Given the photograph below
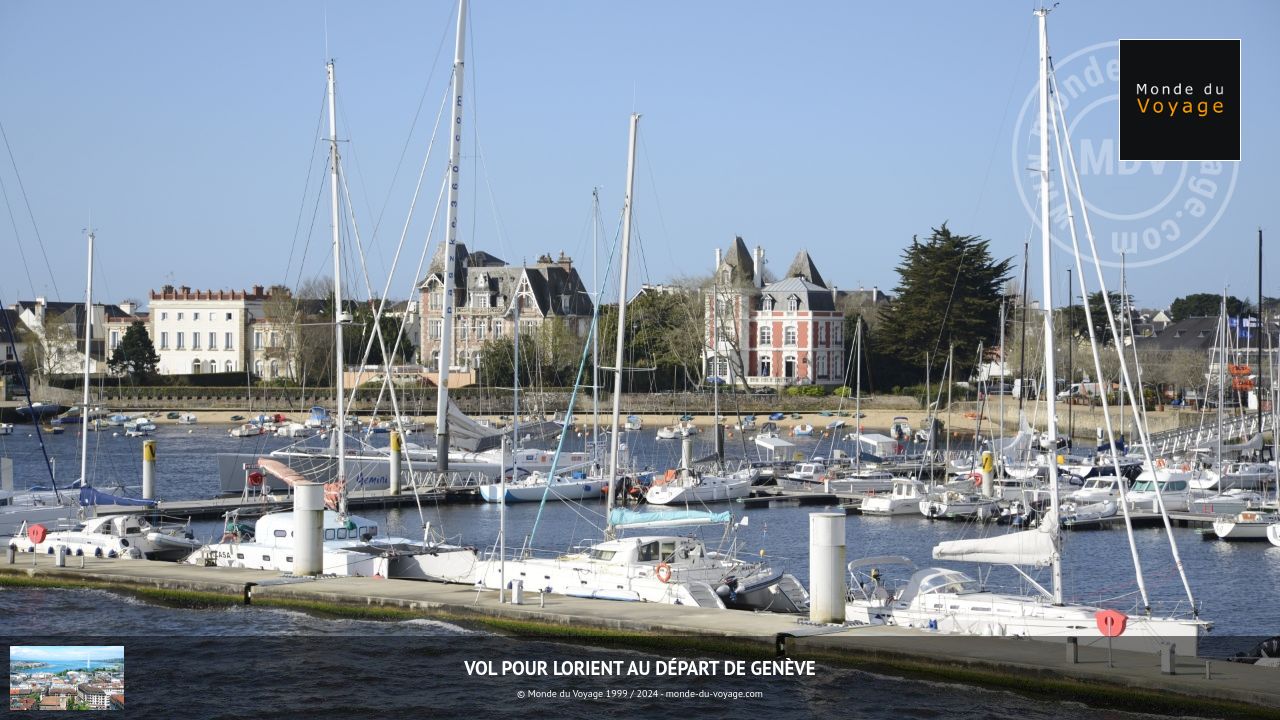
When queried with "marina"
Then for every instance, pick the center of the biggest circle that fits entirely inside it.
(652, 468)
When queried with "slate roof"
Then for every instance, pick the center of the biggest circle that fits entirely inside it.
(738, 262)
(804, 267)
(813, 297)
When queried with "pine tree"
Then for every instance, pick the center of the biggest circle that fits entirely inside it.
(949, 291)
(135, 355)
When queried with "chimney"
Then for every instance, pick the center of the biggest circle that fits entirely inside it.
(257, 290)
(875, 294)
(128, 307)
(759, 267)
(835, 295)
(718, 259)
(186, 289)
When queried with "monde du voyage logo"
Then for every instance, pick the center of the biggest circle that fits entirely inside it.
(1159, 182)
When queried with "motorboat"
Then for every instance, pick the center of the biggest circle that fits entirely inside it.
(903, 500)
(746, 424)
(124, 536)
(1246, 476)
(802, 430)
(1273, 533)
(1075, 514)
(633, 422)
(683, 429)
(351, 546)
(1231, 502)
(958, 501)
(691, 486)
(6, 428)
(246, 430)
(1099, 488)
(1173, 487)
(187, 419)
(294, 430)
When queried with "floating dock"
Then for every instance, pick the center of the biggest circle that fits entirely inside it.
(261, 504)
(1198, 686)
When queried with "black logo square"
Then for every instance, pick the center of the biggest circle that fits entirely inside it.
(1180, 100)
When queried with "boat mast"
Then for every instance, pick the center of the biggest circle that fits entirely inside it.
(451, 247)
(338, 317)
(1046, 242)
(1071, 371)
(595, 330)
(88, 339)
(857, 392)
(1257, 386)
(622, 320)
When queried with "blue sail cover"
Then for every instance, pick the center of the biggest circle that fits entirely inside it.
(92, 496)
(624, 518)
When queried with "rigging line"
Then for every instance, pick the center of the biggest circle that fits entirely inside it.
(1143, 434)
(311, 163)
(657, 205)
(417, 113)
(306, 247)
(364, 185)
(995, 141)
(17, 236)
(34, 226)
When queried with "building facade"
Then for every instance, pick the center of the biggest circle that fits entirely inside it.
(787, 332)
(486, 289)
(57, 331)
(204, 331)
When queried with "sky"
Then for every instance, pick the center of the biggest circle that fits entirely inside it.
(65, 653)
(190, 136)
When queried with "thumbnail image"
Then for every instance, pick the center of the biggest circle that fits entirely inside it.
(66, 677)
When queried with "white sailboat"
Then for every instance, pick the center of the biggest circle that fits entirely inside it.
(351, 544)
(649, 568)
(949, 601)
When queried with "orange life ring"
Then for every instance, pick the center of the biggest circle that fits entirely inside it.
(977, 479)
(255, 479)
(1160, 462)
(663, 572)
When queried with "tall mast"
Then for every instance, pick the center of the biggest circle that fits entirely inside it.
(338, 318)
(1257, 386)
(595, 330)
(627, 203)
(1046, 243)
(451, 248)
(88, 340)
(1071, 346)
(857, 392)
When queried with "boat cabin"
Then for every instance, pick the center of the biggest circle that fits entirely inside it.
(277, 529)
(649, 549)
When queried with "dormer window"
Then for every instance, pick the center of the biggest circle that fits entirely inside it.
(793, 303)
(564, 302)
(766, 304)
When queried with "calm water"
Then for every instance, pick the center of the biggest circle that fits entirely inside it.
(1234, 582)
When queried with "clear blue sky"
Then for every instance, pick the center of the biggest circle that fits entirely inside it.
(186, 131)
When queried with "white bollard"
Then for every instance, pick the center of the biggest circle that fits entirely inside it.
(149, 470)
(517, 592)
(988, 474)
(686, 453)
(308, 518)
(395, 463)
(60, 556)
(826, 567)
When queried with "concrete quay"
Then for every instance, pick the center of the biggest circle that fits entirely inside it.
(1134, 680)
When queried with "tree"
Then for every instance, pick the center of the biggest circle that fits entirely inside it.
(949, 291)
(1073, 317)
(135, 356)
(1205, 305)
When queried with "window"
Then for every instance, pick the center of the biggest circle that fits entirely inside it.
(789, 367)
(766, 367)
(195, 341)
(164, 341)
(475, 361)
(275, 340)
(766, 334)
(342, 533)
(195, 367)
(433, 329)
(822, 365)
(275, 368)
(793, 303)
(228, 316)
(179, 316)
(480, 299)
(226, 341)
(435, 300)
(497, 328)
(213, 341)
(257, 341)
(195, 316)
(280, 533)
(179, 346)
(229, 367)
(766, 303)
(789, 336)
(164, 316)
(839, 332)
(257, 368)
(115, 339)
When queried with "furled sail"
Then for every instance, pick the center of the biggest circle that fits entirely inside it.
(622, 518)
(1027, 547)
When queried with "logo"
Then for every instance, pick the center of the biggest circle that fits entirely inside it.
(1146, 211)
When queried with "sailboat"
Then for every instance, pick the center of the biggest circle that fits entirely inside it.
(679, 570)
(949, 601)
(351, 544)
